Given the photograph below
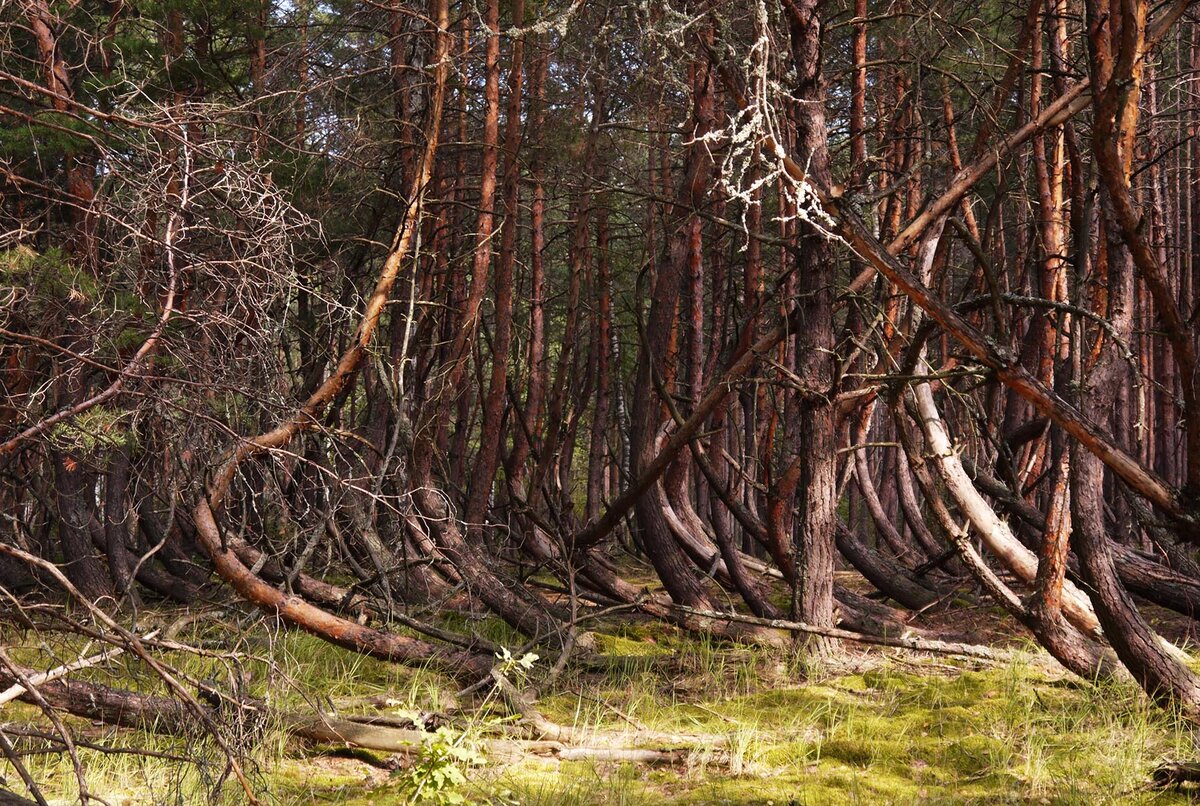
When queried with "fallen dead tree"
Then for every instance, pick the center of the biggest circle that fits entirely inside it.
(167, 716)
(900, 642)
(361, 733)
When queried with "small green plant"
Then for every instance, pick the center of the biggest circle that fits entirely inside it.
(439, 769)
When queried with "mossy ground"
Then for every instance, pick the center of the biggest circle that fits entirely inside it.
(866, 727)
(896, 729)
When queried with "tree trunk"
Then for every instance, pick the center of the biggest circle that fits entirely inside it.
(83, 565)
(490, 430)
(815, 359)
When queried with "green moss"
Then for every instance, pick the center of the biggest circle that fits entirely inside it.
(911, 733)
(1017, 733)
(621, 646)
(296, 781)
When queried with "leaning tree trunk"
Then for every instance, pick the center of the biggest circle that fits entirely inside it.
(1111, 295)
(672, 564)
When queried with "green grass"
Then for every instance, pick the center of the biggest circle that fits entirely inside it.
(895, 733)
(885, 729)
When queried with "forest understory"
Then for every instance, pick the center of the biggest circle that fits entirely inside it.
(654, 715)
(786, 401)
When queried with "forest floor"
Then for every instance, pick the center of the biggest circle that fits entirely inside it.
(870, 725)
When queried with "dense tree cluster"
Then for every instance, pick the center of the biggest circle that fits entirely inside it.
(366, 312)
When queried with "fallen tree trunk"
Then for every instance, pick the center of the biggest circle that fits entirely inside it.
(112, 706)
(900, 642)
(167, 716)
(12, 799)
(330, 730)
(1175, 773)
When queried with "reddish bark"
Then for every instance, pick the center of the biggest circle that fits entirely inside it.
(490, 431)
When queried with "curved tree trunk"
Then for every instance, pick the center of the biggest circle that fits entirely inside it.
(883, 573)
(657, 350)
(84, 566)
(1162, 676)
(995, 533)
(334, 629)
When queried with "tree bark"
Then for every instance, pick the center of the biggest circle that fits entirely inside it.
(815, 359)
